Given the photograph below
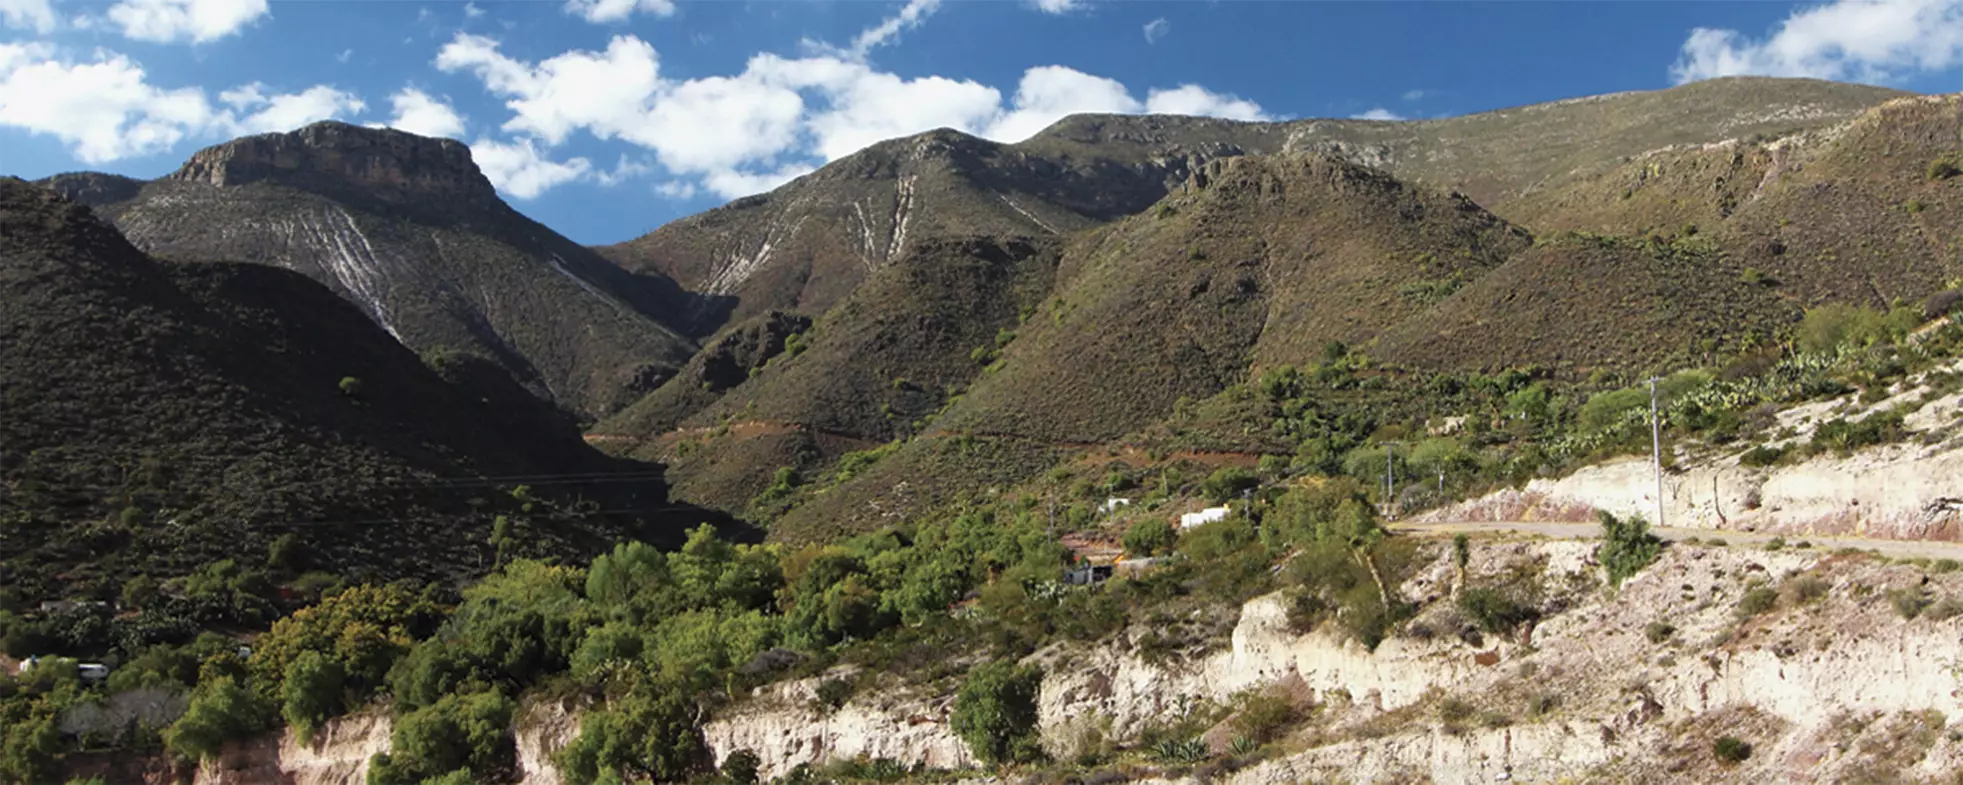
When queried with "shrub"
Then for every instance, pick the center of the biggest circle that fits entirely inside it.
(1455, 710)
(1228, 482)
(311, 692)
(1776, 544)
(1495, 611)
(467, 731)
(350, 387)
(1627, 547)
(220, 710)
(1943, 168)
(1730, 750)
(1757, 601)
(1262, 715)
(1908, 603)
(1807, 589)
(995, 712)
(1658, 631)
(831, 695)
(1761, 456)
(1828, 328)
(648, 733)
(1944, 610)
(1148, 537)
(741, 767)
(1946, 565)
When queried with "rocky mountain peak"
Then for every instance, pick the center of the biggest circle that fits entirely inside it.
(384, 163)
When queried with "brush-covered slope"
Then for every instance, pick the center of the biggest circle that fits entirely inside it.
(155, 417)
(874, 368)
(809, 244)
(1262, 261)
(408, 229)
(731, 359)
(1499, 156)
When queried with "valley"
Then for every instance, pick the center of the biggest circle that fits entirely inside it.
(1062, 461)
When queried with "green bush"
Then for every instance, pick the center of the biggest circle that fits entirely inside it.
(1761, 456)
(1227, 483)
(741, 767)
(311, 692)
(648, 734)
(1757, 601)
(1263, 715)
(995, 713)
(1943, 168)
(1148, 537)
(350, 387)
(1843, 437)
(459, 731)
(220, 710)
(1730, 750)
(1659, 631)
(1627, 547)
(1908, 603)
(1496, 611)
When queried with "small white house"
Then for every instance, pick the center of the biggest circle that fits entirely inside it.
(1112, 504)
(1203, 517)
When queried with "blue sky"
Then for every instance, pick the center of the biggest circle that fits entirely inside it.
(606, 118)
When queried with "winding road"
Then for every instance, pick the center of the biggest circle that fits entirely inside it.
(1894, 549)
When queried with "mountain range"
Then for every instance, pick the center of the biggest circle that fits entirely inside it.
(963, 314)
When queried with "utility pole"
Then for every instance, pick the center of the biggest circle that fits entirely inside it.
(1656, 448)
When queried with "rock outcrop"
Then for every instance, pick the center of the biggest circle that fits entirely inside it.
(381, 163)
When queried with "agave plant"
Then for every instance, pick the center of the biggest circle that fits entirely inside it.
(1242, 745)
(1173, 751)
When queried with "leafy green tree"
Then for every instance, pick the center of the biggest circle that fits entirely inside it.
(1627, 547)
(311, 692)
(650, 732)
(469, 732)
(30, 745)
(1148, 537)
(141, 591)
(1227, 482)
(364, 629)
(220, 710)
(741, 767)
(995, 712)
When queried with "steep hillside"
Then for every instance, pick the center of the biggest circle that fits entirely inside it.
(409, 230)
(156, 417)
(808, 244)
(730, 360)
(1262, 260)
(876, 367)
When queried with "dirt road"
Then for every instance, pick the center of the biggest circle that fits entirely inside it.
(1894, 549)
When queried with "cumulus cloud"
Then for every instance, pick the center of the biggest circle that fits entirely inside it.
(1157, 29)
(520, 169)
(676, 189)
(1378, 113)
(471, 11)
(1196, 101)
(36, 15)
(419, 113)
(1058, 6)
(608, 11)
(264, 113)
(1866, 40)
(197, 21)
(623, 171)
(781, 117)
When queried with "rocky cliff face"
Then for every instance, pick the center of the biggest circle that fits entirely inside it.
(382, 163)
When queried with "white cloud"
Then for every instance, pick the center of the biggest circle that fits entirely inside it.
(1378, 113)
(780, 117)
(676, 189)
(285, 112)
(521, 170)
(604, 92)
(106, 109)
(623, 171)
(1196, 101)
(606, 11)
(1414, 95)
(198, 21)
(911, 16)
(418, 113)
(1157, 29)
(36, 15)
(1866, 40)
(344, 56)
(1058, 6)
(471, 11)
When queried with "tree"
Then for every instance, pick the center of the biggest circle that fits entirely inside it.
(1227, 482)
(1627, 547)
(220, 710)
(30, 747)
(741, 767)
(311, 693)
(140, 592)
(651, 731)
(995, 712)
(1148, 537)
(460, 732)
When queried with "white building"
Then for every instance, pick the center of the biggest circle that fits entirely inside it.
(1203, 517)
